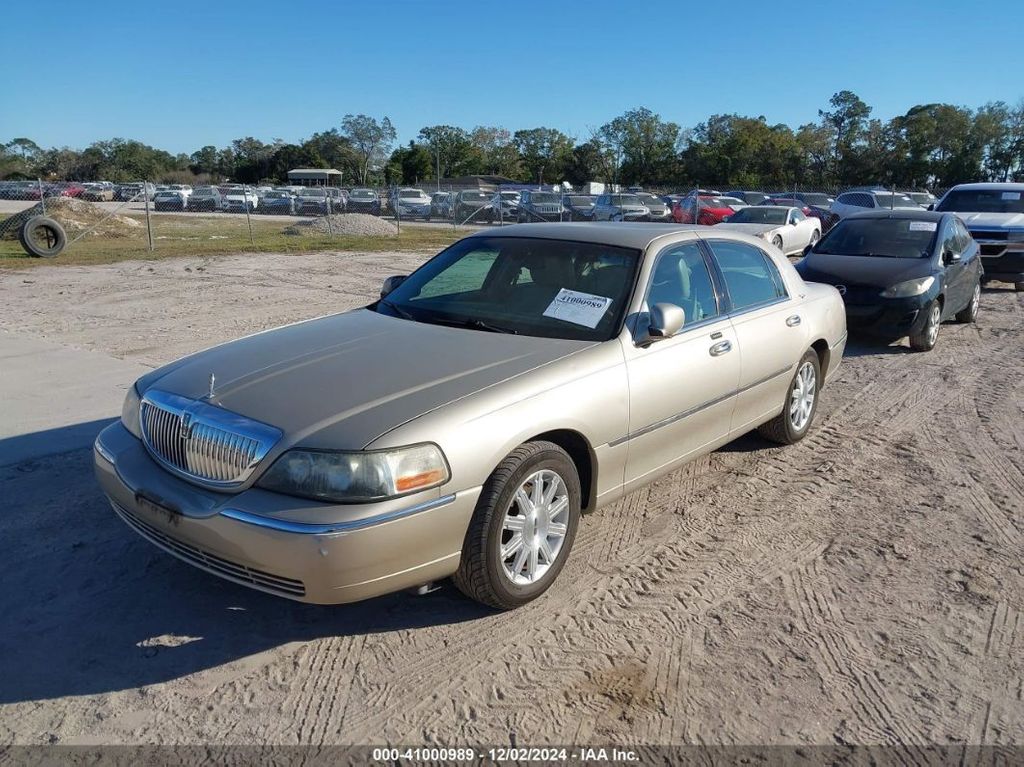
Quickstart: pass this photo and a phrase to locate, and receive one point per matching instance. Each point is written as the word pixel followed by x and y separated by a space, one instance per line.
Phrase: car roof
pixel 1005 186
pixel 902 213
pixel 617 234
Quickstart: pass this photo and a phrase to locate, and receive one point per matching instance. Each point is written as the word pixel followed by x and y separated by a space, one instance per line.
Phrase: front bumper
pixel 1008 266
pixel 254 538
pixel 887 317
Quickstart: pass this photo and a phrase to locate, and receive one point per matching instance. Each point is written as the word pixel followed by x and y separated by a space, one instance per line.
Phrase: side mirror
pixel 391 283
pixel 949 257
pixel 666 321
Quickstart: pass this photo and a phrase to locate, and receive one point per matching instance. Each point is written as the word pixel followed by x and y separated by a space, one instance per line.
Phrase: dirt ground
pixel 864 586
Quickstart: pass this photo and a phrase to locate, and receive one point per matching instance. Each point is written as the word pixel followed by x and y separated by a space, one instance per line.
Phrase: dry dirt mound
pixel 356 224
pixel 76 216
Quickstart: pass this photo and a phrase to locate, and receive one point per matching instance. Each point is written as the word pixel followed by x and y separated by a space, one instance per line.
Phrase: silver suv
pixel 860 200
pixel 620 207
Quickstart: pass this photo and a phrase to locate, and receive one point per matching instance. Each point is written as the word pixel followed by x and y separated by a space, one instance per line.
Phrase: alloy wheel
pixel 801 398
pixel 934 320
pixel 534 527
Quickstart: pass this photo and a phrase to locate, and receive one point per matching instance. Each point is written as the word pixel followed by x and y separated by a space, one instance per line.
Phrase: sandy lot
pixel 865 586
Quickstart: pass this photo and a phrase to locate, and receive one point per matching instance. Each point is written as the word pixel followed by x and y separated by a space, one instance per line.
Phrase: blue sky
pixel 179 76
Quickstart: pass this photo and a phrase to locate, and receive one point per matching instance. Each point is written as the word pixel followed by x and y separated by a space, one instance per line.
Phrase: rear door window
pixel 750 277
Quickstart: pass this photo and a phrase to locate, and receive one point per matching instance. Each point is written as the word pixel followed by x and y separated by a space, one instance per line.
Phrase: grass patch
pixel 175 236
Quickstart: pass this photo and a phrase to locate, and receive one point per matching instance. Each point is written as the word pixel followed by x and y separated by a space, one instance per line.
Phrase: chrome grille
pixel 225 568
pixel 203 442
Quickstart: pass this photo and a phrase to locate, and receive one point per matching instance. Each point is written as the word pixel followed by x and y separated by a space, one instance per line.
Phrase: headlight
pixel 357 476
pixel 909 288
pixel 130 412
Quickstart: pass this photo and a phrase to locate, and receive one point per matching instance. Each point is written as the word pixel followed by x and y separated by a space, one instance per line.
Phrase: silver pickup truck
pixel 994 215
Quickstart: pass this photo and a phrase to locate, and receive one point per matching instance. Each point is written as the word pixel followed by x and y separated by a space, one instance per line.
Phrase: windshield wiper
pixel 397 309
pixel 473 322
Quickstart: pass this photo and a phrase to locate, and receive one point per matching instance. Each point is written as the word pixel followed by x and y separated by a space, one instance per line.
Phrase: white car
pixel 237 200
pixel 788 229
pixel 411 203
pixel 860 200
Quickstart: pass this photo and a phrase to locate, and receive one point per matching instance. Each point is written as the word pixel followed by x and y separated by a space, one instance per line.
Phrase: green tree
pixel 544 153
pixel 371 143
pixel 449 147
pixel 645 144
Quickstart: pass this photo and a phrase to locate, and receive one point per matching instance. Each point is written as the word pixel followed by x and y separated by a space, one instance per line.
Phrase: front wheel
pixel 1019 287
pixel 793 423
pixel 970 312
pixel 815 236
pixel 523 527
pixel 777 242
pixel 924 339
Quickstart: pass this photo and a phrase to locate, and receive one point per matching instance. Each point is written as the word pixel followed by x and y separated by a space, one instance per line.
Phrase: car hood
pixel 993 220
pixel 342 381
pixel 862 270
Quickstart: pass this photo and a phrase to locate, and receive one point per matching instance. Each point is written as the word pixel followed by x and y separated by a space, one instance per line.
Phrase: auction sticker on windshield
pixel 1011 195
pixel 578 308
pixel 923 226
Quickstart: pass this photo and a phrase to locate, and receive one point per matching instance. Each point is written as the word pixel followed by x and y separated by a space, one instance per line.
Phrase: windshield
pixel 625 199
pixel 543 198
pixel 718 202
pixel 362 194
pixel 277 195
pixel 983 201
pixel 759 215
pixel 880 237
pixel 534 287
pixel 587 202
pixel 475 196
pixel 510 195
pixel 650 199
pixel 312 193
pixel 819 200
pixel 898 200
pixel 411 194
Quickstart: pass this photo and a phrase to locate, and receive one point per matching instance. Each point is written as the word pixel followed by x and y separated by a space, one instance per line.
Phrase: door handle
pixel 720 348
pixel 793 321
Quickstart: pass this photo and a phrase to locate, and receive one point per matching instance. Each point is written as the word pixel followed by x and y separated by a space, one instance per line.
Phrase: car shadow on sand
pixel 90 607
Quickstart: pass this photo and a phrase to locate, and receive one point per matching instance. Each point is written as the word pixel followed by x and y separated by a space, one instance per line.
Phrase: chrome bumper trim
pixel 306 528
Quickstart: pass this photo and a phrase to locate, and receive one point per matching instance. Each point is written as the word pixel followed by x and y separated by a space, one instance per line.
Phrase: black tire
pixel 1019 287
pixel 481 575
pixel 970 312
pixel 42 237
pixel 781 428
pixel 924 339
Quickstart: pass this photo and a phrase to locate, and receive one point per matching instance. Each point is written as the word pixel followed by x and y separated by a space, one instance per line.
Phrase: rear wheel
pixel 924 339
pixel 523 527
pixel 970 312
pixel 793 423
pixel 1019 287
pixel 815 236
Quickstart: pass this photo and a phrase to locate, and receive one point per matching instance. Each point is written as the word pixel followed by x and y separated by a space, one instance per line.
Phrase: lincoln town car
pixel 463 424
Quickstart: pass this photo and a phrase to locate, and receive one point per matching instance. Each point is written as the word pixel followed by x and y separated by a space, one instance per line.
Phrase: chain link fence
pixel 147 215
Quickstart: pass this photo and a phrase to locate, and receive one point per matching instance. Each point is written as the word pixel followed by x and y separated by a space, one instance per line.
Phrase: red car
pixel 706 209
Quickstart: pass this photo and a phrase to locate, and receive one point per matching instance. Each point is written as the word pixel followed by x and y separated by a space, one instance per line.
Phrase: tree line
pixel 930 146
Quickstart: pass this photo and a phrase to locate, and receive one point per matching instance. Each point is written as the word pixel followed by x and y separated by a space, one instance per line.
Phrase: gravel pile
pixel 356 224
pixel 76 216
